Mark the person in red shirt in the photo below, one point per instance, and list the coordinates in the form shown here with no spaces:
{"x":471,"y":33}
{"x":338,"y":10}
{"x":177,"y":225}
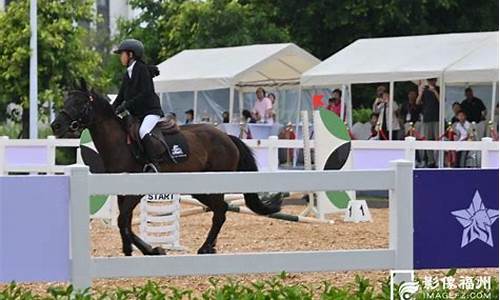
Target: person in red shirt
{"x":334,"y":103}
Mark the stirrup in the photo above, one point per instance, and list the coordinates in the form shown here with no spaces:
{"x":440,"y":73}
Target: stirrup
{"x":150,"y":166}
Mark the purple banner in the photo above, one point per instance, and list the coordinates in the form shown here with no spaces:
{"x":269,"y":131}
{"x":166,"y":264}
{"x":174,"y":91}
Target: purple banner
{"x":455,"y":218}
{"x":375,"y":158}
{"x":29,"y":155}
{"x":34,"y":228}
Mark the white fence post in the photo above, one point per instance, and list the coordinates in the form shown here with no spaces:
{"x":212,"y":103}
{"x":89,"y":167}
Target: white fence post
{"x":273,"y":159}
{"x":401,"y":217}
{"x":3,"y":143}
{"x":410,"y":149}
{"x":80,"y":272}
{"x":51,"y":154}
{"x":484,"y":152}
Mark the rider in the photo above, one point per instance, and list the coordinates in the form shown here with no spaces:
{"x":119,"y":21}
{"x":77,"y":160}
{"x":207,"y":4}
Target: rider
{"x":137,"y":95}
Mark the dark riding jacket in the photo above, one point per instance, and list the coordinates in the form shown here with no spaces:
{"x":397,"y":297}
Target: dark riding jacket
{"x":138,"y":92}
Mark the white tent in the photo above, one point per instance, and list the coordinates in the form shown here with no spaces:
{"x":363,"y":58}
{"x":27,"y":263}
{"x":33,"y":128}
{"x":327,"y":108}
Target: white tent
{"x":205,"y":69}
{"x":452,"y":58}
{"x":408,"y":58}
{"x":238,"y":69}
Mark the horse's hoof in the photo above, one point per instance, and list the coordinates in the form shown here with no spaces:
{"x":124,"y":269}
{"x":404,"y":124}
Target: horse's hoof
{"x":158,"y":251}
{"x":207,"y":250}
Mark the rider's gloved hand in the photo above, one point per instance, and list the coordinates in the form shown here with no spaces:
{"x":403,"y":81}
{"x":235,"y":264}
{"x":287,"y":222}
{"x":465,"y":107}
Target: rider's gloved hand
{"x":120,"y":108}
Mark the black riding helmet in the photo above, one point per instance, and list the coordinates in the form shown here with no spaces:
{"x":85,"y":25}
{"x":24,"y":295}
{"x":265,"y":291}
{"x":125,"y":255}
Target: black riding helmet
{"x":131,"y":45}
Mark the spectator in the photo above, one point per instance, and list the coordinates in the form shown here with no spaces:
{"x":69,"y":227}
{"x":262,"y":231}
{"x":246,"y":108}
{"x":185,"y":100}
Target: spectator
{"x":374,"y":129}
{"x":247,"y":116}
{"x":335,"y":102}
{"x":225,"y":117}
{"x":456,"y":108}
{"x":461,"y":128}
{"x":382,"y":108}
{"x":273,"y":101}
{"x":263,"y":107}
{"x":380,"y":92}
{"x":428,"y":97}
{"x":473,"y":107}
{"x":189,"y":116}
{"x":410,"y":111}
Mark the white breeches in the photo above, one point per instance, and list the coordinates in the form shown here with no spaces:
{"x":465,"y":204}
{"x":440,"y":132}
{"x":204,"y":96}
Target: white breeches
{"x":148,"y":124}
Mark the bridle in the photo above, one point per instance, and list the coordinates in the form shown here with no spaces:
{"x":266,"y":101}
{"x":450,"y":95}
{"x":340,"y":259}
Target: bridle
{"x":79,"y":119}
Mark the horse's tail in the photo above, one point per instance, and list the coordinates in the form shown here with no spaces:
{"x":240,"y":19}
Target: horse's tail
{"x":247,"y":163}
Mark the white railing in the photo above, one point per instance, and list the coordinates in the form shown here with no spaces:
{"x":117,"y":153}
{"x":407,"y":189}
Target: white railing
{"x":37,"y":155}
{"x":399,"y":255}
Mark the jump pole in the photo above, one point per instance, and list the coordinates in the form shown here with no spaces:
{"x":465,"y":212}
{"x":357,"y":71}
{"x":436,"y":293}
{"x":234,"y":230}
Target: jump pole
{"x":245,"y":210}
{"x":307,"y":163}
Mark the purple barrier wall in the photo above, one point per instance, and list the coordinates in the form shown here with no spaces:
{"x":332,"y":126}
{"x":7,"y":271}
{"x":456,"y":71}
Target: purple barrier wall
{"x":34,"y":228}
{"x":18,"y":155}
{"x":455,"y":218}
{"x":375,"y":158}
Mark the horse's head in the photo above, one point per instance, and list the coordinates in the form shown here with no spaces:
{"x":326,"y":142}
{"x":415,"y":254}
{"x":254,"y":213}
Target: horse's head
{"x":77,"y":113}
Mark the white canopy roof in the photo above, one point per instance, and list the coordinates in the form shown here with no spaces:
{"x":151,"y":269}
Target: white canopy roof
{"x":460,"y":57}
{"x":205,"y":69}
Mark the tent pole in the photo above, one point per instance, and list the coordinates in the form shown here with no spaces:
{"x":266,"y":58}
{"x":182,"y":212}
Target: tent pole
{"x":195,"y":105}
{"x":296,"y":151}
{"x":391,"y":100}
{"x":342,"y":103}
{"x":349,"y":111}
{"x":442,"y":99}
{"x":231,"y":103}
{"x":33,"y":85}
{"x":493,"y":98}
{"x":240,"y":99}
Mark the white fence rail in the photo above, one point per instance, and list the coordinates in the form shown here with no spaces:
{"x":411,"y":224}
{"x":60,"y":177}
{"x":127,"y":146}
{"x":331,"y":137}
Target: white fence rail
{"x":399,"y":255}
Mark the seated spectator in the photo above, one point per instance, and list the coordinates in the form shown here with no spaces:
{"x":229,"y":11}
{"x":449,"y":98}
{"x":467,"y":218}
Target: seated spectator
{"x":410,"y":111}
{"x":382,"y":108}
{"x":247,"y":116}
{"x":263,"y":108}
{"x":189,"y":116}
{"x":473,"y":107}
{"x":225,"y":117}
{"x":273,"y":101}
{"x":334,"y":103}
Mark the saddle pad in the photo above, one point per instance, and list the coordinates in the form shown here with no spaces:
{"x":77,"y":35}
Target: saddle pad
{"x":177,"y":146}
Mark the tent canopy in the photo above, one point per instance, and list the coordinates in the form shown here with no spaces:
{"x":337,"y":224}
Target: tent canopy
{"x":207,"y":69}
{"x":459,"y":57}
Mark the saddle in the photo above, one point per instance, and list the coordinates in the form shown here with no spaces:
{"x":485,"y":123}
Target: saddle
{"x":170,"y":142}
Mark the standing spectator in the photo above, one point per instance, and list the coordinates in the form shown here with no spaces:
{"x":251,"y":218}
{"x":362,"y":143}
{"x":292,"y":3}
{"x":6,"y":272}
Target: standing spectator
{"x":263,"y":107}
{"x":462,"y":128}
{"x":410,"y":111}
{"x":473,"y":107}
{"x":275,"y":104}
{"x":456,"y":108}
{"x":335,"y":102}
{"x":189,"y":116}
{"x":225,"y":117}
{"x":428,"y":97}
{"x":382,"y":108}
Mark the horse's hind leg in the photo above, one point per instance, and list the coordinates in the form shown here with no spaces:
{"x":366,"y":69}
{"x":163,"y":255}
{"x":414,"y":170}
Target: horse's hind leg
{"x":126,"y":205}
{"x":216,"y":203}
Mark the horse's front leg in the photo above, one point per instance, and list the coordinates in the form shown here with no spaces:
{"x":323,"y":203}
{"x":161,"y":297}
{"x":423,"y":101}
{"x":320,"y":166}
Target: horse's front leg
{"x":126,"y":205}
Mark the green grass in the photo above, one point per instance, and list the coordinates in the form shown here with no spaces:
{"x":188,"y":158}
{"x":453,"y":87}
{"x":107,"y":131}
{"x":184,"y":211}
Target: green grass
{"x":274,"y":289}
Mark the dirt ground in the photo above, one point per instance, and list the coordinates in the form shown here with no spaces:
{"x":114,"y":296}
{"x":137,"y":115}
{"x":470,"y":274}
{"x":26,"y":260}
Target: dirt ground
{"x":246,"y":233}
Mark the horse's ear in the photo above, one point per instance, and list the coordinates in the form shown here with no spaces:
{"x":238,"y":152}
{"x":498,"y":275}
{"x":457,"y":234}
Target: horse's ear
{"x":83,"y":84}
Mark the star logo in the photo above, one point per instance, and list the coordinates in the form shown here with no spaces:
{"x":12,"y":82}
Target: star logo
{"x":477,"y":221}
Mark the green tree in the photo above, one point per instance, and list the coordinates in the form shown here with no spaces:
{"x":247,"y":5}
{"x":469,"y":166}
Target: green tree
{"x":64,"y":50}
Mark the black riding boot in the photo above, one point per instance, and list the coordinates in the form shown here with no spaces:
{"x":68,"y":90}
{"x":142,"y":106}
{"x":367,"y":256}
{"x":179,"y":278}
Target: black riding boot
{"x":153,"y":153}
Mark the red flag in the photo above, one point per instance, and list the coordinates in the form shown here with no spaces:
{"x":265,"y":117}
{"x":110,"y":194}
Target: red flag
{"x":317,"y":101}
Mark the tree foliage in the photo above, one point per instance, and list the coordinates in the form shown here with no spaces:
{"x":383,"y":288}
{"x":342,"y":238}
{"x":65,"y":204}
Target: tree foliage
{"x":64,"y":53}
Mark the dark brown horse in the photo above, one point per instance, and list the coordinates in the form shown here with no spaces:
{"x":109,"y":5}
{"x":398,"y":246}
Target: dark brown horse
{"x":210,"y":150}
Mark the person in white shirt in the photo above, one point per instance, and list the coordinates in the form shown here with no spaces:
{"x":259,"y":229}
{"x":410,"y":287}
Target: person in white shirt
{"x":461,"y":128}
